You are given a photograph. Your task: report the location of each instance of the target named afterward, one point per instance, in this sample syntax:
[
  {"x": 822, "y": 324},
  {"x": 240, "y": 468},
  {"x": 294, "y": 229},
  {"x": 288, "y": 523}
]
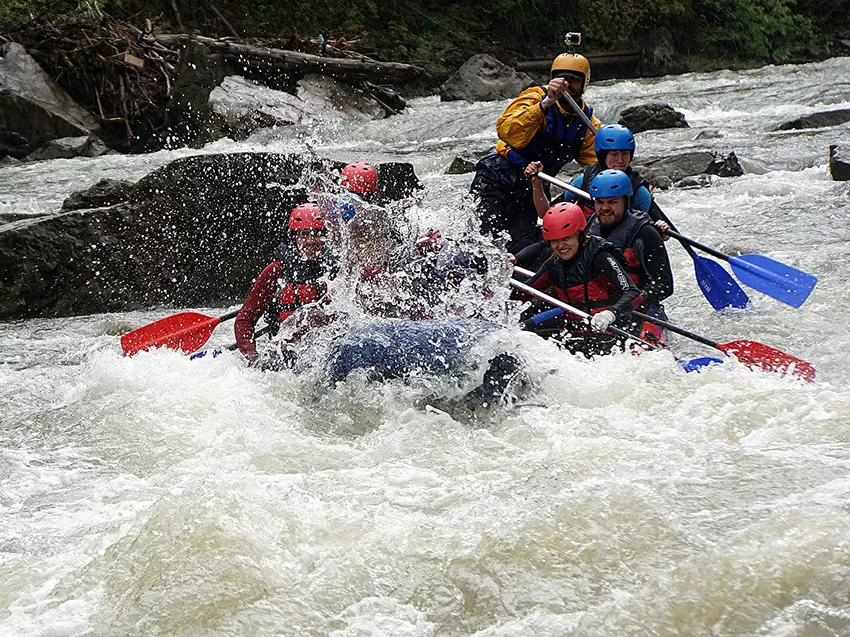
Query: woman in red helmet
[
  {"x": 587, "y": 272},
  {"x": 294, "y": 278}
]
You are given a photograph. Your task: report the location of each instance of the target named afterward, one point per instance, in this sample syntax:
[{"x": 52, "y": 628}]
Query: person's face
[
  {"x": 618, "y": 159},
  {"x": 574, "y": 86},
  {"x": 310, "y": 243},
  {"x": 610, "y": 210},
  {"x": 566, "y": 247}
]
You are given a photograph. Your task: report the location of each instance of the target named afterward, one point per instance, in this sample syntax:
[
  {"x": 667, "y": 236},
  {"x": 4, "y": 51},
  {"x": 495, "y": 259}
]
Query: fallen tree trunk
[{"x": 347, "y": 69}]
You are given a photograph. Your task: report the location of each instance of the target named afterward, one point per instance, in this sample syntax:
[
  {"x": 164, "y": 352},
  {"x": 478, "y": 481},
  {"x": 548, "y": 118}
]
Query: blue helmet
[
  {"x": 611, "y": 183},
  {"x": 614, "y": 137}
]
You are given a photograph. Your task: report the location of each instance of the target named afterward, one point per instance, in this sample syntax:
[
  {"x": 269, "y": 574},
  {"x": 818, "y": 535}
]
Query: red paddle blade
[
  {"x": 186, "y": 331},
  {"x": 753, "y": 354}
]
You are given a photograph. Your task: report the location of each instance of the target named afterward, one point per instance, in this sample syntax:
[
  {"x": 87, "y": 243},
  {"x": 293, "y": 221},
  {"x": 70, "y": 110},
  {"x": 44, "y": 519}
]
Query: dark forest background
[{"x": 441, "y": 34}]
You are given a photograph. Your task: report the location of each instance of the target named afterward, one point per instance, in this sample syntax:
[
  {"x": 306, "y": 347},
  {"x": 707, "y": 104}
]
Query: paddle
[
  {"x": 716, "y": 283},
  {"x": 750, "y": 353},
  {"x": 522, "y": 287},
  {"x": 186, "y": 331},
  {"x": 782, "y": 282}
]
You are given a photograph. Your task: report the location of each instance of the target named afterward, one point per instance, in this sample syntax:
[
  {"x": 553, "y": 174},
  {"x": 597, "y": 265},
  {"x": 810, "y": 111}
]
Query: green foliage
[
  {"x": 440, "y": 34},
  {"x": 752, "y": 29}
]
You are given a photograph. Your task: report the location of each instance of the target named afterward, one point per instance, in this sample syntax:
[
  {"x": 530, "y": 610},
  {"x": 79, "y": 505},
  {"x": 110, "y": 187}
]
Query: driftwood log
[{"x": 360, "y": 69}]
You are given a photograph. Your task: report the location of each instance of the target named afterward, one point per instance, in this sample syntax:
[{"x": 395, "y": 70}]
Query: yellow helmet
[{"x": 571, "y": 63}]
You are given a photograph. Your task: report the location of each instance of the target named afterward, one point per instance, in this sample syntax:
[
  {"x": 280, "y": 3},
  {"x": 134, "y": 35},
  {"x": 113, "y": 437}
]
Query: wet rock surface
[
  {"x": 665, "y": 171},
  {"x": 839, "y": 162},
  {"x": 33, "y": 108},
  {"x": 483, "y": 78},
  {"x": 655, "y": 115},
  {"x": 818, "y": 120}
]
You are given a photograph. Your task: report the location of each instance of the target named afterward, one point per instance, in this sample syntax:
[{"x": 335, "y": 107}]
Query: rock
[
  {"x": 659, "y": 56},
  {"x": 67, "y": 147},
  {"x": 33, "y": 108},
  {"x": 12, "y": 144},
  {"x": 247, "y": 106},
  {"x": 327, "y": 99},
  {"x": 725, "y": 166},
  {"x": 483, "y": 78},
  {"x": 697, "y": 181},
  {"x": 193, "y": 233},
  {"x": 8, "y": 160},
  {"x": 839, "y": 162},
  {"x": 818, "y": 120},
  {"x": 663, "y": 172},
  {"x": 460, "y": 166},
  {"x": 651, "y": 116},
  {"x": 106, "y": 192},
  {"x": 710, "y": 133}
]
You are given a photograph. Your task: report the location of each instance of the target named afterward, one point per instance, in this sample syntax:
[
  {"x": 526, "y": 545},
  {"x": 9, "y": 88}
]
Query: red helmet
[
  {"x": 306, "y": 217},
  {"x": 562, "y": 220},
  {"x": 360, "y": 178}
]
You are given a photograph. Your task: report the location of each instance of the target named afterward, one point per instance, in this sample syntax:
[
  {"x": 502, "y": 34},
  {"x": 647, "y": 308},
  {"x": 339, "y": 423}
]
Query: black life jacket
[
  {"x": 557, "y": 144},
  {"x": 623, "y": 237},
  {"x": 300, "y": 284},
  {"x": 575, "y": 283}
]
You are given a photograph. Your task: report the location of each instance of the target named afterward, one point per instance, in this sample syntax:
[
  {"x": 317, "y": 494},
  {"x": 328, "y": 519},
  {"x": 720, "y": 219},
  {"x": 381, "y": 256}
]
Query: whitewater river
[{"x": 162, "y": 496}]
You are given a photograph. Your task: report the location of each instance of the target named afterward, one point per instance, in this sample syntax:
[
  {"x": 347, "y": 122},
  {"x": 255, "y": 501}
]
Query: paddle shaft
[
  {"x": 522, "y": 287},
  {"x": 582, "y": 115},
  {"x": 687, "y": 241},
  {"x": 677, "y": 329}
]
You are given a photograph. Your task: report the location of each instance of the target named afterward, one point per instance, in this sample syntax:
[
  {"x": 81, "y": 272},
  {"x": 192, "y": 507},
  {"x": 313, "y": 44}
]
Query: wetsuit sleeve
[
  {"x": 650, "y": 251},
  {"x": 259, "y": 298},
  {"x": 587, "y": 154},
  {"x": 522, "y": 119},
  {"x": 625, "y": 291},
  {"x": 641, "y": 200},
  {"x": 531, "y": 256}
]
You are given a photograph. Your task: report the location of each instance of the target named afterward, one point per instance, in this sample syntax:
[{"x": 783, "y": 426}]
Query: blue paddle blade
[
  {"x": 782, "y": 282},
  {"x": 697, "y": 364},
  {"x": 718, "y": 286}
]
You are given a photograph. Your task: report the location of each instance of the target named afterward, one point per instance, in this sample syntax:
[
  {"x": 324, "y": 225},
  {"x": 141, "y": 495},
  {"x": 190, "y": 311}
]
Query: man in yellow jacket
[{"x": 537, "y": 126}]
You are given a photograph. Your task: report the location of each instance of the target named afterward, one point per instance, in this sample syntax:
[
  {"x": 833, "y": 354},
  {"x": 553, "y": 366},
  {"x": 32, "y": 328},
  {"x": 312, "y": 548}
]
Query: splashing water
[{"x": 158, "y": 495}]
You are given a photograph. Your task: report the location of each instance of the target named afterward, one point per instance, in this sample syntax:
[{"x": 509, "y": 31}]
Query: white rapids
[{"x": 156, "y": 495}]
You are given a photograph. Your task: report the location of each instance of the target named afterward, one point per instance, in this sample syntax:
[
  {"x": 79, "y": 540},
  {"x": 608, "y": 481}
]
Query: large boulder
[
  {"x": 818, "y": 120},
  {"x": 67, "y": 147},
  {"x": 664, "y": 171},
  {"x": 643, "y": 117},
  {"x": 839, "y": 162},
  {"x": 193, "y": 233},
  {"x": 33, "y": 109},
  {"x": 247, "y": 105},
  {"x": 483, "y": 78}
]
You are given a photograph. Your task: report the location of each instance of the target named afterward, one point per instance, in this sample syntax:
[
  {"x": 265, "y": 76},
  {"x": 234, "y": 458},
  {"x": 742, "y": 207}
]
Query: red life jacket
[
  {"x": 300, "y": 284},
  {"x": 623, "y": 237}
]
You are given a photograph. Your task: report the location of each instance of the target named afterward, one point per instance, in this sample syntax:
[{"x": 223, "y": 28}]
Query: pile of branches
[{"x": 115, "y": 70}]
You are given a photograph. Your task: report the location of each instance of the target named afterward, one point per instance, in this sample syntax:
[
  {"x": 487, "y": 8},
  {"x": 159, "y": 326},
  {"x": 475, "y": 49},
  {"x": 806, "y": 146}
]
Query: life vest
[
  {"x": 623, "y": 237},
  {"x": 300, "y": 284},
  {"x": 594, "y": 169},
  {"x": 575, "y": 284},
  {"x": 558, "y": 143}
]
